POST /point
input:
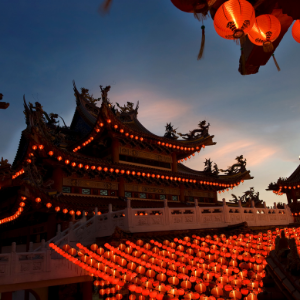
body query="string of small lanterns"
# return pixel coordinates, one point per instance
(134, 173)
(205, 267)
(22, 203)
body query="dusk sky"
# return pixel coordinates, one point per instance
(147, 51)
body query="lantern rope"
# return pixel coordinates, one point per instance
(200, 54)
(276, 63)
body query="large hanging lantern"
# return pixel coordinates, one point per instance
(265, 30)
(296, 31)
(234, 19)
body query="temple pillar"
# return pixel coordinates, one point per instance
(6, 296)
(174, 162)
(121, 187)
(57, 176)
(181, 196)
(87, 290)
(115, 150)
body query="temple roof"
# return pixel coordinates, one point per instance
(87, 115)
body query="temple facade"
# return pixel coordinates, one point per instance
(105, 156)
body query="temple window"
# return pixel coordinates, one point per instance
(143, 195)
(66, 189)
(162, 197)
(174, 198)
(86, 191)
(104, 192)
(128, 194)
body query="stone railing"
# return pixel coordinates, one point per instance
(143, 220)
(86, 231)
(167, 219)
(26, 267)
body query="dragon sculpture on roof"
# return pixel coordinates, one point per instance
(202, 131)
(238, 167)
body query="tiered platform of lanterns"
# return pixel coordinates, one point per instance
(205, 268)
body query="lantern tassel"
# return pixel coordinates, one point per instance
(201, 14)
(268, 47)
(243, 61)
(105, 6)
(200, 54)
(276, 63)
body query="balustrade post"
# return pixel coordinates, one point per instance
(95, 219)
(70, 235)
(226, 212)
(197, 219)
(13, 259)
(83, 219)
(166, 213)
(30, 247)
(43, 244)
(128, 214)
(58, 230)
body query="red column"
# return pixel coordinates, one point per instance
(181, 197)
(57, 177)
(121, 187)
(87, 290)
(6, 296)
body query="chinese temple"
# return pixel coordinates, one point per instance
(291, 188)
(105, 156)
(77, 199)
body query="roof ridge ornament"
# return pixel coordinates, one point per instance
(202, 131)
(127, 112)
(236, 168)
(171, 132)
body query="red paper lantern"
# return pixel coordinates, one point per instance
(234, 19)
(265, 30)
(296, 31)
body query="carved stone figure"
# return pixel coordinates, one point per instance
(238, 167)
(197, 133)
(170, 132)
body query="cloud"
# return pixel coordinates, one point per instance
(156, 109)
